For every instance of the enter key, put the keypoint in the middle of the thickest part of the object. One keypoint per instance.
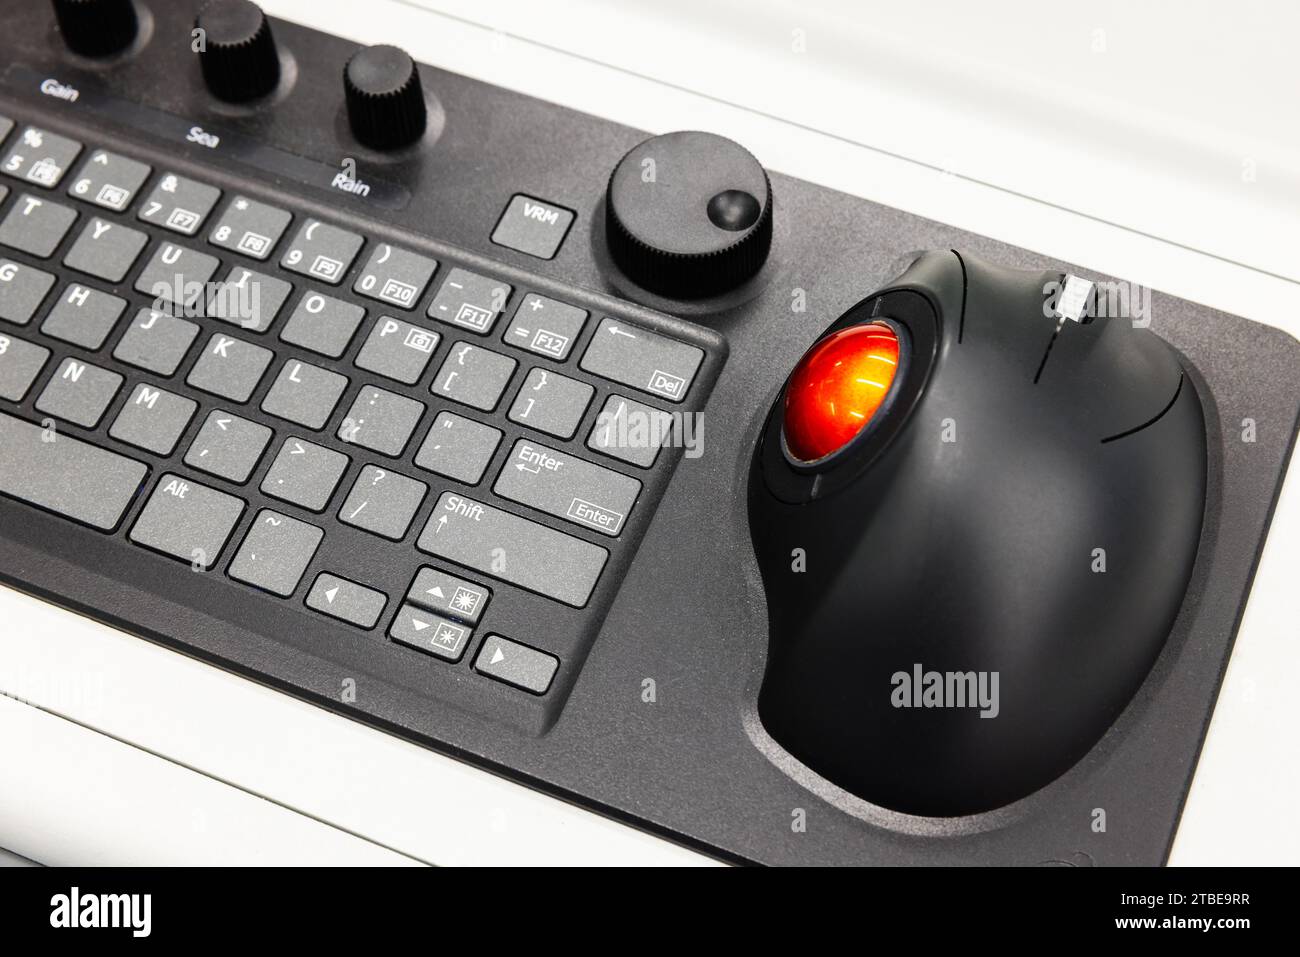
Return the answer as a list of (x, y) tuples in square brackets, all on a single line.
[(567, 487)]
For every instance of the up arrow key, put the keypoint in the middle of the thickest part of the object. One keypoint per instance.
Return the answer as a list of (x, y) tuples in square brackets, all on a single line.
[(436, 592)]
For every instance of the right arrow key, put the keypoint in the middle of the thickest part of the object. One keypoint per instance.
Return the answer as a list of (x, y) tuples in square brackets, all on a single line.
[(516, 664)]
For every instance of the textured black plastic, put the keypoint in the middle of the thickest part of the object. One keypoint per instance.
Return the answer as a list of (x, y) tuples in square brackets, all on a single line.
[(1000, 532), (689, 613), (689, 214)]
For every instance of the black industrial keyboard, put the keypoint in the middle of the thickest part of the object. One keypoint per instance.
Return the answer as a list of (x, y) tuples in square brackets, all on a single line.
[(388, 388), (233, 384)]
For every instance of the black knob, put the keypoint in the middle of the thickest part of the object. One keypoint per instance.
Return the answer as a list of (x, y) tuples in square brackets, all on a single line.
[(385, 99), (689, 215), (96, 28), (238, 54)]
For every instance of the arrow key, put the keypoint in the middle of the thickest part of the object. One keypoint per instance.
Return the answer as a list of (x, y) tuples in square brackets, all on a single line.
[(346, 600), (516, 664), (417, 628), (448, 595)]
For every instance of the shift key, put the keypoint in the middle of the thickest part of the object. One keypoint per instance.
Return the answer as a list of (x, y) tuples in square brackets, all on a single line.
[(567, 487), (513, 549), (642, 359)]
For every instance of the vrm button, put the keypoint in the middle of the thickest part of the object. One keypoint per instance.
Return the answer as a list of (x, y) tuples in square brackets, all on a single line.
[(533, 226)]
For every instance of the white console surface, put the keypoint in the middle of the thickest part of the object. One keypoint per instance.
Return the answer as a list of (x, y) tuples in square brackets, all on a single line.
[(1138, 140)]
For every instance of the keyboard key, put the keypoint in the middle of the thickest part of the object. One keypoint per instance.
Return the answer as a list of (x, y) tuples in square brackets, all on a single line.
[(516, 664), (546, 327), (395, 276), (177, 275), (417, 628), (397, 350), (20, 363), (323, 324), (250, 227), (155, 341), (6, 125), (83, 317), (532, 226), (275, 553), (513, 549), (551, 403), (36, 226), (79, 393), (304, 393), (630, 431), (22, 289), (567, 487), (469, 300), (40, 157), (383, 502), (109, 180), (322, 251), (187, 520), (179, 204), (106, 250), (228, 446), (346, 600), (305, 474), (642, 359), (78, 480), (448, 595), (229, 367), (381, 421), (250, 300), (458, 448), (474, 376), (153, 419)]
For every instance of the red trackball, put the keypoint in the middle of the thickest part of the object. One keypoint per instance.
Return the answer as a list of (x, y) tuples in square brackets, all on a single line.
[(837, 388)]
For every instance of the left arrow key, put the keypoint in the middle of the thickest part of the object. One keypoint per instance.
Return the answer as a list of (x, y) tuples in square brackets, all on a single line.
[(346, 600)]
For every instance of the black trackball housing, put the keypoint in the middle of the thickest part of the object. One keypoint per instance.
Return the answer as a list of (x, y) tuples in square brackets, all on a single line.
[(1029, 505)]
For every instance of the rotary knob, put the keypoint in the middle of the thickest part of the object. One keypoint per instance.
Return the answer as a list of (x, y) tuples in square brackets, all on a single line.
[(385, 99), (238, 54), (96, 28), (689, 215)]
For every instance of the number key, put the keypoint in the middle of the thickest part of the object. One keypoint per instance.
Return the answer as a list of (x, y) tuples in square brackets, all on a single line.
[(179, 204), (40, 157), (250, 227), (109, 180), (395, 276), (322, 251)]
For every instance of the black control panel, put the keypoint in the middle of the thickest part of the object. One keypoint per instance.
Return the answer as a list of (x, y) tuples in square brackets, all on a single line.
[(435, 404)]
